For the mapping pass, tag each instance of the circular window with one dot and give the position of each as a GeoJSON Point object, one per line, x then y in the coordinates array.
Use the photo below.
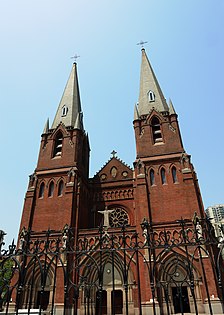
{"type": "Point", "coordinates": [118, 217]}
{"type": "Point", "coordinates": [103, 176]}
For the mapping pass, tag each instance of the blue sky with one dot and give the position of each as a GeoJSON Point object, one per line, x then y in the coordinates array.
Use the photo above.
{"type": "Point", "coordinates": [185, 46]}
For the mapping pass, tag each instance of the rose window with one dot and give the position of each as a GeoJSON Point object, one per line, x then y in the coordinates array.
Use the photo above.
{"type": "Point", "coordinates": [118, 217]}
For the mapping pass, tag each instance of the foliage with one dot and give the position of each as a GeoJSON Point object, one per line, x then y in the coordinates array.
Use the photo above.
{"type": "Point", "coordinates": [6, 273]}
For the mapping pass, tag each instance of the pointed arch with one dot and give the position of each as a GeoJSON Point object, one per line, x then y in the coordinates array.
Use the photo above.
{"type": "Point", "coordinates": [58, 143]}
{"type": "Point", "coordinates": [156, 130]}
{"type": "Point", "coordinates": [51, 189]}
{"type": "Point", "coordinates": [60, 187]}
{"type": "Point", "coordinates": [163, 175]}
{"type": "Point", "coordinates": [176, 272]}
{"type": "Point", "coordinates": [109, 268]}
{"type": "Point", "coordinates": [174, 174]}
{"type": "Point", "coordinates": [41, 190]}
{"type": "Point", "coordinates": [39, 280]}
{"type": "Point", "coordinates": [152, 176]}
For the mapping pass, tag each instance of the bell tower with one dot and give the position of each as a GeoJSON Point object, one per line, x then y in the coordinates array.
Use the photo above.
{"type": "Point", "coordinates": [166, 182]}
{"type": "Point", "coordinates": [58, 188]}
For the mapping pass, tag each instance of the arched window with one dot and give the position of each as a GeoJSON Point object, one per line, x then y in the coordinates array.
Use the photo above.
{"type": "Point", "coordinates": [174, 174]}
{"type": "Point", "coordinates": [156, 130]}
{"type": "Point", "coordinates": [152, 177]}
{"type": "Point", "coordinates": [151, 96]}
{"type": "Point", "coordinates": [64, 111]}
{"type": "Point", "coordinates": [60, 188]}
{"type": "Point", "coordinates": [58, 144]}
{"type": "Point", "coordinates": [51, 189]}
{"type": "Point", "coordinates": [41, 190]}
{"type": "Point", "coordinates": [163, 176]}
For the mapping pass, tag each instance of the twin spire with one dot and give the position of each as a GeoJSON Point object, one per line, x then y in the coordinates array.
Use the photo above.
{"type": "Point", "coordinates": [150, 93]}
{"type": "Point", "coordinates": [69, 111]}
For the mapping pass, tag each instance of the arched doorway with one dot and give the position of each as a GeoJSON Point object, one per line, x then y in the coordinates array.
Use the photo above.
{"type": "Point", "coordinates": [42, 296]}
{"type": "Point", "coordinates": [177, 277]}
{"type": "Point", "coordinates": [111, 300]}
{"type": "Point", "coordinates": [37, 293]}
{"type": "Point", "coordinates": [103, 289]}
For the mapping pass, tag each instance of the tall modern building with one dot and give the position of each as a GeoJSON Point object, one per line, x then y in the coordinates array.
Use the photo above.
{"type": "Point", "coordinates": [153, 202]}
{"type": "Point", "coordinates": [215, 213]}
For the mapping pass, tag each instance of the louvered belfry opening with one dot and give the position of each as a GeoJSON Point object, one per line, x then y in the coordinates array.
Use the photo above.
{"type": "Point", "coordinates": [58, 144]}
{"type": "Point", "coordinates": [156, 130]}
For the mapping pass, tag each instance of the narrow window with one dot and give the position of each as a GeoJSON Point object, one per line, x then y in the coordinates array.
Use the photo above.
{"type": "Point", "coordinates": [60, 188]}
{"type": "Point", "coordinates": [51, 190]}
{"type": "Point", "coordinates": [58, 144]}
{"type": "Point", "coordinates": [156, 130]}
{"type": "Point", "coordinates": [174, 174]}
{"type": "Point", "coordinates": [41, 190]}
{"type": "Point", "coordinates": [152, 177]}
{"type": "Point", "coordinates": [151, 96]}
{"type": "Point", "coordinates": [64, 111]}
{"type": "Point", "coordinates": [163, 176]}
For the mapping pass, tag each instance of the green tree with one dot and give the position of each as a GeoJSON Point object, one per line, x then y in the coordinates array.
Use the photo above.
{"type": "Point", "coordinates": [6, 273]}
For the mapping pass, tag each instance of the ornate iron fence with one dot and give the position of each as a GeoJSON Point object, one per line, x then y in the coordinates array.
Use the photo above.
{"type": "Point", "coordinates": [164, 269]}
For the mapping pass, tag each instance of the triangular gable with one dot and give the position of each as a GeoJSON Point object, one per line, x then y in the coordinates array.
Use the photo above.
{"type": "Point", "coordinates": [154, 112]}
{"type": "Point", "coordinates": [114, 170]}
{"type": "Point", "coordinates": [60, 127]}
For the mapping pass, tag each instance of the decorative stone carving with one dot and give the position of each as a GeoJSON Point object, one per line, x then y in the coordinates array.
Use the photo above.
{"type": "Point", "coordinates": [113, 171]}
{"type": "Point", "coordinates": [71, 174]}
{"type": "Point", "coordinates": [142, 132]}
{"type": "Point", "coordinates": [22, 239]}
{"type": "Point", "coordinates": [65, 237]}
{"type": "Point", "coordinates": [185, 162]}
{"type": "Point", "coordinates": [71, 143]}
{"type": "Point", "coordinates": [118, 217]}
{"type": "Point", "coordinates": [33, 180]}
{"type": "Point", "coordinates": [103, 176]}
{"type": "Point", "coordinates": [114, 195]}
{"type": "Point", "coordinates": [140, 166]}
{"type": "Point", "coordinates": [172, 128]}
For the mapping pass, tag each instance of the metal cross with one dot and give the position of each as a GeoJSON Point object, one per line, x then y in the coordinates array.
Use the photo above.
{"type": "Point", "coordinates": [113, 153]}
{"type": "Point", "coordinates": [75, 57]}
{"type": "Point", "coordinates": [106, 214]}
{"type": "Point", "coordinates": [141, 43]}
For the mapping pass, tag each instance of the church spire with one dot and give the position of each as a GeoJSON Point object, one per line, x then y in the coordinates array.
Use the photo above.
{"type": "Point", "coordinates": [150, 94]}
{"type": "Point", "coordinates": [69, 108]}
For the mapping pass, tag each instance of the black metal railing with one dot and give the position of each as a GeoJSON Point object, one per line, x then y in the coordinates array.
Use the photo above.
{"type": "Point", "coordinates": [165, 268]}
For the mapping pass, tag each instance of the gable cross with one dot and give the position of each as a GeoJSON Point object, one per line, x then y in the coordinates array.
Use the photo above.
{"type": "Point", "coordinates": [113, 153]}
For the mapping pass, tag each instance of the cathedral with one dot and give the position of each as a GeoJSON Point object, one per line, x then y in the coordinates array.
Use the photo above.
{"type": "Point", "coordinates": [128, 240]}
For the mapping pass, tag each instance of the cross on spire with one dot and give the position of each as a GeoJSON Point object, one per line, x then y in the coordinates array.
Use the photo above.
{"type": "Point", "coordinates": [75, 57]}
{"type": "Point", "coordinates": [113, 153]}
{"type": "Point", "coordinates": [141, 43]}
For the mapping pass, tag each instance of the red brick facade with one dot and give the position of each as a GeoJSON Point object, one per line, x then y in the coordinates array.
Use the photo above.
{"type": "Point", "coordinates": [162, 187]}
